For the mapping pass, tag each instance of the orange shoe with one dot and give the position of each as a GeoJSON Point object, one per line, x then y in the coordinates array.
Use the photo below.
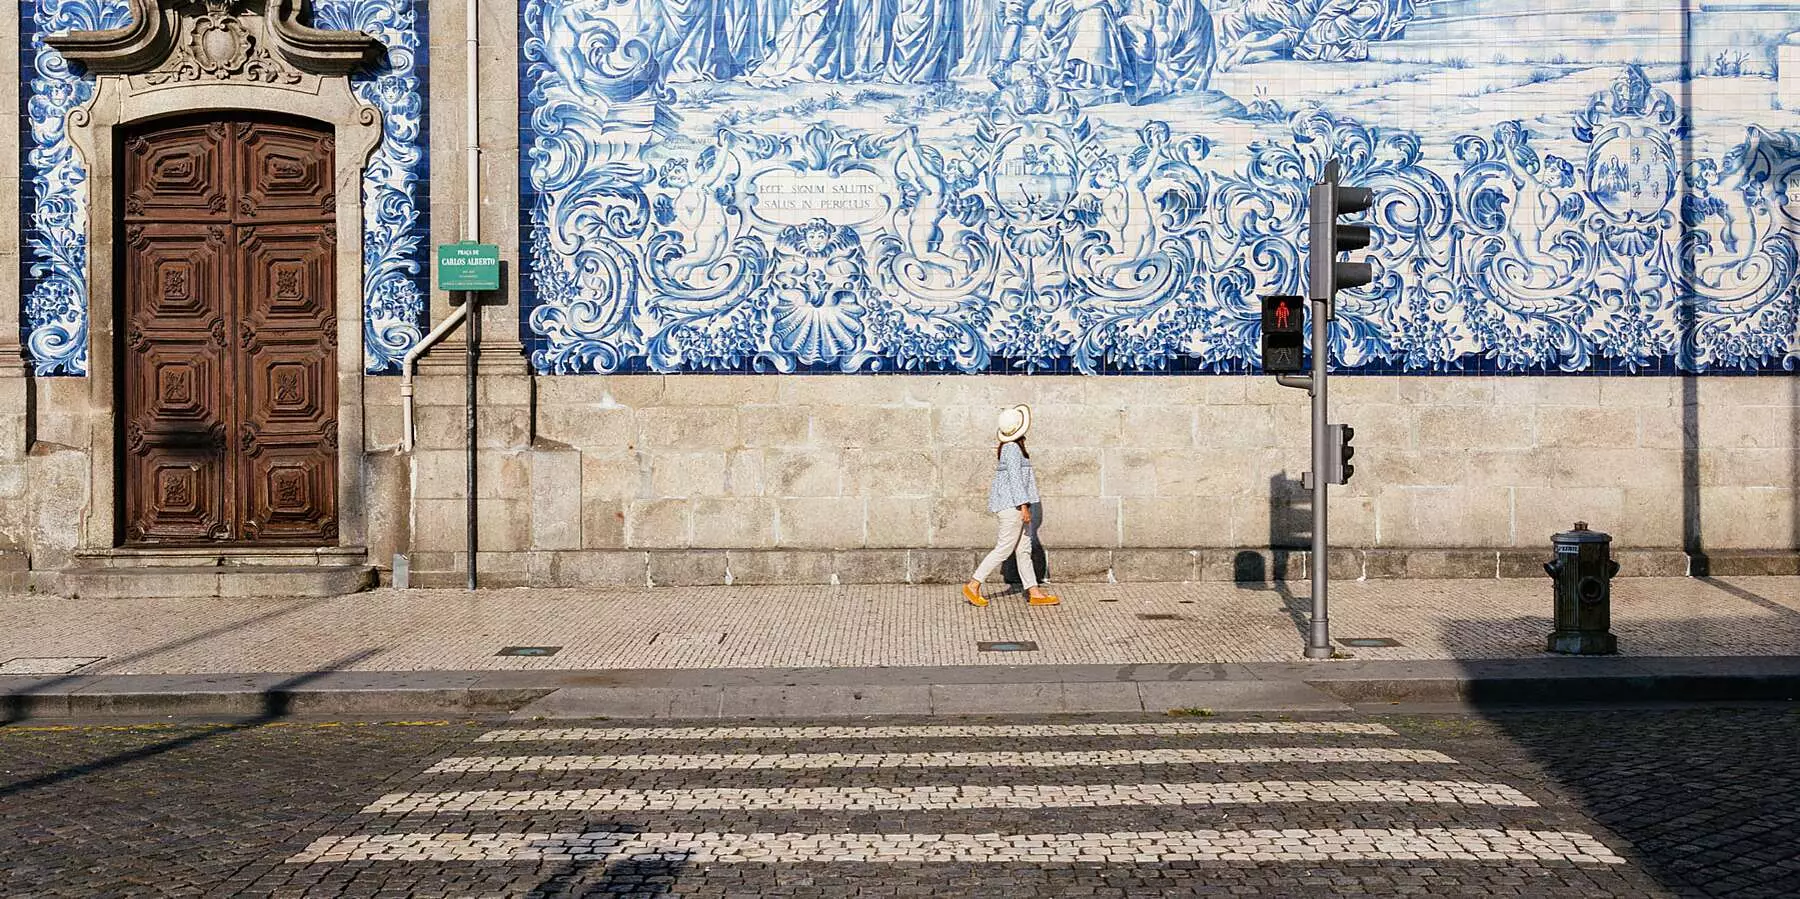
{"type": "Point", "coordinates": [974, 596]}
{"type": "Point", "coordinates": [1044, 600]}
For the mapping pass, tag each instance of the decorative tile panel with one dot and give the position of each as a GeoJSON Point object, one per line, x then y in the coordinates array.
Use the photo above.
{"type": "Point", "coordinates": [396, 221]}
{"type": "Point", "coordinates": [1108, 185]}
{"type": "Point", "coordinates": [395, 224]}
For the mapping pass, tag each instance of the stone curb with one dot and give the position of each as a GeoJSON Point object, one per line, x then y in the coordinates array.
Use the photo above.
{"type": "Point", "coordinates": [971, 690]}
{"type": "Point", "coordinates": [700, 566]}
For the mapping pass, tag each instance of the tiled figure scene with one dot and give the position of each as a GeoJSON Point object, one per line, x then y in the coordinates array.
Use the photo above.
{"type": "Point", "coordinates": [1108, 185]}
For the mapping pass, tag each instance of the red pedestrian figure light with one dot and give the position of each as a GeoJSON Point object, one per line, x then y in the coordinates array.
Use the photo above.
{"type": "Point", "coordinates": [1282, 344]}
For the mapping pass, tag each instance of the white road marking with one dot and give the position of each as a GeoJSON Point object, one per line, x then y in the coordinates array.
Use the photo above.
{"type": "Point", "coordinates": [951, 797]}
{"type": "Point", "coordinates": [1454, 844]}
{"type": "Point", "coordinates": [798, 761]}
{"type": "Point", "coordinates": [1154, 729]}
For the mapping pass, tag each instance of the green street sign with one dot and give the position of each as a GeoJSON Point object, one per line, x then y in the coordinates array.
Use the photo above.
{"type": "Point", "coordinates": [468, 266]}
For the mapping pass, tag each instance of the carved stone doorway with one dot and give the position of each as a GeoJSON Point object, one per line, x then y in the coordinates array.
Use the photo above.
{"type": "Point", "coordinates": [228, 295]}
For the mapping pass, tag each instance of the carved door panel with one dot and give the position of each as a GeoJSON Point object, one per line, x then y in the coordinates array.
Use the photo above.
{"type": "Point", "coordinates": [287, 434]}
{"type": "Point", "coordinates": [175, 361]}
{"type": "Point", "coordinates": [180, 173]}
{"type": "Point", "coordinates": [229, 357]}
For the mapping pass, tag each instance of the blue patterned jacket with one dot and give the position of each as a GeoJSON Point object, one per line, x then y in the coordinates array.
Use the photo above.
{"type": "Point", "coordinates": [1015, 484]}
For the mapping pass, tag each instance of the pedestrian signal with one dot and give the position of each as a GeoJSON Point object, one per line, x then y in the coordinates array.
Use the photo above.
{"type": "Point", "coordinates": [1283, 335]}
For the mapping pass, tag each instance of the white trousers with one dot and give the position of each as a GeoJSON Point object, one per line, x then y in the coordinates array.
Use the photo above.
{"type": "Point", "coordinates": [1012, 540]}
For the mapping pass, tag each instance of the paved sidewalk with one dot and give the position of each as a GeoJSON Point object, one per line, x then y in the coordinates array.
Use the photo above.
{"type": "Point", "coordinates": [412, 646]}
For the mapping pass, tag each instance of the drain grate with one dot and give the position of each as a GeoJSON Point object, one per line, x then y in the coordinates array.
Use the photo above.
{"type": "Point", "coordinates": [529, 651]}
{"type": "Point", "coordinates": [48, 664]}
{"type": "Point", "coordinates": [1161, 616]}
{"type": "Point", "coordinates": [1368, 642]}
{"type": "Point", "coordinates": [1006, 646]}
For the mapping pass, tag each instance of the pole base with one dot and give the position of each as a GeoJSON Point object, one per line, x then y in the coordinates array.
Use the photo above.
{"type": "Point", "coordinates": [1582, 643]}
{"type": "Point", "coordinates": [1320, 652]}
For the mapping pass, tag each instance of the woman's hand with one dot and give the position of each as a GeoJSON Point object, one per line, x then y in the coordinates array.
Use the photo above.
{"type": "Point", "coordinates": [1025, 514]}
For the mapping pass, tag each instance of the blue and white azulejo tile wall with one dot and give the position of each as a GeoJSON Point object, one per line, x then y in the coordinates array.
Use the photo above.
{"type": "Point", "coordinates": [396, 219]}
{"type": "Point", "coordinates": [1595, 186]}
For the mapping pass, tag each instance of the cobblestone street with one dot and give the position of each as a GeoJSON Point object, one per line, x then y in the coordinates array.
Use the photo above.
{"type": "Point", "coordinates": [1642, 802]}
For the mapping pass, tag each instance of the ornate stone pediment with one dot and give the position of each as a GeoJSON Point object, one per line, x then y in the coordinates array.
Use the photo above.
{"type": "Point", "coordinates": [254, 41]}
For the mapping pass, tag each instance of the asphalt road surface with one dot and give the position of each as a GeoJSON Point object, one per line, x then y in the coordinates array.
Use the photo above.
{"type": "Point", "coordinates": [1688, 801]}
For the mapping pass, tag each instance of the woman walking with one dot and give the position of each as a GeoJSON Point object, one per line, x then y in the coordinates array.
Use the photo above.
{"type": "Point", "coordinates": [1014, 490]}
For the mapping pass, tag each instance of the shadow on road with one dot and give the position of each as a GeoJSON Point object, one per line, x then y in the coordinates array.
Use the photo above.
{"type": "Point", "coordinates": [13, 706]}
{"type": "Point", "coordinates": [634, 877]}
{"type": "Point", "coordinates": [276, 702]}
{"type": "Point", "coordinates": [1702, 797]}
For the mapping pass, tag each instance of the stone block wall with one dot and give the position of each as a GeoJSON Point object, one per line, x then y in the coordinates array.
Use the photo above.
{"type": "Point", "coordinates": [715, 479]}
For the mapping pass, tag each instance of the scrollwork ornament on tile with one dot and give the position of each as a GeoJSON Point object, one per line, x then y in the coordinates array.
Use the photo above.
{"type": "Point", "coordinates": [394, 275]}
{"type": "Point", "coordinates": [756, 212]}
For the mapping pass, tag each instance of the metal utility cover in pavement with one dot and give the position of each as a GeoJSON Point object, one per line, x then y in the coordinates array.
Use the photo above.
{"type": "Point", "coordinates": [1161, 616]}
{"type": "Point", "coordinates": [47, 665]}
{"type": "Point", "coordinates": [688, 638]}
{"type": "Point", "coordinates": [1368, 642]}
{"type": "Point", "coordinates": [529, 651]}
{"type": "Point", "coordinates": [1006, 646]}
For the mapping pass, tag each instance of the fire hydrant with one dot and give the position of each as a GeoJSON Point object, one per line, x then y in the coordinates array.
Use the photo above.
{"type": "Point", "coordinates": [1583, 571]}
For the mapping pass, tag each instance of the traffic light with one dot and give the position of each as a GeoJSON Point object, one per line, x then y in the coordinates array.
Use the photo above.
{"type": "Point", "coordinates": [1283, 334]}
{"type": "Point", "coordinates": [1341, 451]}
{"type": "Point", "coordinates": [1328, 275]}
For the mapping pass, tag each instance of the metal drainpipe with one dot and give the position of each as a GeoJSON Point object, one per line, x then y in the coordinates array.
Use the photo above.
{"type": "Point", "coordinates": [472, 230]}
{"type": "Point", "coordinates": [458, 314]}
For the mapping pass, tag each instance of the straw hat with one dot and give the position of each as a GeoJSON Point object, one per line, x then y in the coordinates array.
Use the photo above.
{"type": "Point", "coordinates": [1014, 422]}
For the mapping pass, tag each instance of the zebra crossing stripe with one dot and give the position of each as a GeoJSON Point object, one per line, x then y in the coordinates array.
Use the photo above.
{"type": "Point", "coordinates": [1450, 844]}
{"type": "Point", "coordinates": [1155, 729]}
{"type": "Point", "coordinates": [807, 761]}
{"type": "Point", "coordinates": [1454, 792]}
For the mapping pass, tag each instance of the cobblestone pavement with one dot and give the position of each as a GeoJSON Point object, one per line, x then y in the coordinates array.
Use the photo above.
{"type": "Point", "coordinates": [1642, 802]}
{"type": "Point", "coordinates": [870, 626]}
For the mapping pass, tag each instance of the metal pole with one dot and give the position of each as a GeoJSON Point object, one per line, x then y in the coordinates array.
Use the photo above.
{"type": "Point", "coordinates": [471, 299]}
{"type": "Point", "coordinates": [1318, 640]}
{"type": "Point", "coordinates": [472, 233]}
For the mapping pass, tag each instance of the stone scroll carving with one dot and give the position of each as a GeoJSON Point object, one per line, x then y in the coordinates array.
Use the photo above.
{"type": "Point", "coordinates": [193, 40]}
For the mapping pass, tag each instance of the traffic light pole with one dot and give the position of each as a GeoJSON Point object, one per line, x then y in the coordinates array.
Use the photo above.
{"type": "Point", "coordinates": [1318, 637]}
{"type": "Point", "coordinates": [1281, 347]}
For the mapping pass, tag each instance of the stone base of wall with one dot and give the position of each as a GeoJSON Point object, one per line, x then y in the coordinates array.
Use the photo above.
{"type": "Point", "coordinates": [187, 583]}
{"type": "Point", "coordinates": [714, 567]}
{"type": "Point", "coordinates": [15, 574]}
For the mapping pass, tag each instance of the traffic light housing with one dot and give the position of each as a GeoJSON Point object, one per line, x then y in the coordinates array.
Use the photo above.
{"type": "Point", "coordinates": [1283, 335]}
{"type": "Point", "coordinates": [1341, 451]}
{"type": "Point", "coordinates": [1326, 273]}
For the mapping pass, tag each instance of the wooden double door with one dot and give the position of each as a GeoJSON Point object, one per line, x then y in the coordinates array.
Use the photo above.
{"type": "Point", "coordinates": [228, 333]}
